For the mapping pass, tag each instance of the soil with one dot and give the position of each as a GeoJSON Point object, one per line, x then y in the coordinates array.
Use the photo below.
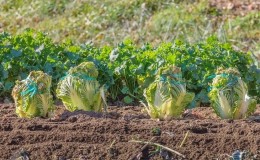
{"type": "Point", "coordinates": [88, 135]}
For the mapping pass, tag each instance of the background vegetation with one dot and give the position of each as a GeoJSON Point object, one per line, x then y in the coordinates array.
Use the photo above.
{"type": "Point", "coordinates": [110, 21]}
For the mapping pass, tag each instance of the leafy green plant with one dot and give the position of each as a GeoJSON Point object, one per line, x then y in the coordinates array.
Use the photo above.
{"type": "Point", "coordinates": [229, 95]}
{"type": "Point", "coordinates": [126, 69]}
{"type": "Point", "coordinates": [167, 96]}
{"type": "Point", "coordinates": [156, 131]}
{"type": "Point", "coordinates": [32, 96]}
{"type": "Point", "coordinates": [24, 53]}
{"type": "Point", "coordinates": [80, 90]}
{"type": "Point", "coordinates": [126, 64]}
{"type": "Point", "coordinates": [198, 61]}
{"type": "Point", "coordinates": [34, 50]}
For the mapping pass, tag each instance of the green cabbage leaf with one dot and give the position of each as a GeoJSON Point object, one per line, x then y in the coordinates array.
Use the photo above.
{"type": "Point", "coordinates": [229, 95]}
{"type": "Point", "coordinates": [167, 96]}
{"type": "Point", "coordinates": [32, 96]}
{"type": "Point", "coordinates": [80, 90]}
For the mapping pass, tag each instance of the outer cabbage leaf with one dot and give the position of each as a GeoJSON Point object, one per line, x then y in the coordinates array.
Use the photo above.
{"type": "Point", "coordinates": [32, 96]}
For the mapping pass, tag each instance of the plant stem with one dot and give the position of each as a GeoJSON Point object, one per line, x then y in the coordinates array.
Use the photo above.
{"type": "Point", "coordinates": [184, 139]}
{"type": "Point", "coordinates": [157, 144]}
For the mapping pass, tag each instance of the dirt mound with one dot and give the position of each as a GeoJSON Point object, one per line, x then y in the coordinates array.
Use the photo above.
{"type": "Point", "coordinates": [88, 135]}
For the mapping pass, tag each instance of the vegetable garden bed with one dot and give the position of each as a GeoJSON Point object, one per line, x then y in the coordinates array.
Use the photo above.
{"type": "Point", "coordinates": [183, 73]}
{"type": "Point", "coordinates": [89, 135]}
{"type": "Point", "coordinates": [166, 79]}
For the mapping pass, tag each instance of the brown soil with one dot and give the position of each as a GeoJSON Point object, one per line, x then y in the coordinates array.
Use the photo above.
{"type": "Point", "coordinates": [89, 135]}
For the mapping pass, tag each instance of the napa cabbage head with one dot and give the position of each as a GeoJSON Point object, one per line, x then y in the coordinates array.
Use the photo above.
{"type": "Point", "coordinates": [80, 90]}
{"type": "Point", "coordinates": [167, 96]}
{"type": "Point", "coordinates": [229, 95]}
{"type": "Point", "coordinates": [32, 96]}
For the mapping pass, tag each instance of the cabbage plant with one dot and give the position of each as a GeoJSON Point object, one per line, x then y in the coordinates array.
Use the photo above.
{"type": "Point", "coordinates": [32, 96]}
{"type": "Point", "coordinates": [229, 95]}
{"type": "Point", "coordinates": [167, 96]}
{"type": "Point", "coordinates": [80, 90]}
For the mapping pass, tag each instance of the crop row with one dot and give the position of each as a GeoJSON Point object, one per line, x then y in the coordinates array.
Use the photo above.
{"type": "Point", "coordinates": [125, 69]}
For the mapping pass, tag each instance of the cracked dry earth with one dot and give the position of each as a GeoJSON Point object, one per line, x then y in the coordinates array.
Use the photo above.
{"type": "Point", "coordinates": [88, 135]}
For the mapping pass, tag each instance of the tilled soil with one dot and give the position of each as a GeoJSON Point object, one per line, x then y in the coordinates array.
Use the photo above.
{"type": "Point", "coordinates": [88, 135]}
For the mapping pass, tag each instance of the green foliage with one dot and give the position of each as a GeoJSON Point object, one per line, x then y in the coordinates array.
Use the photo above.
{"type": "Point", "coordinates": [167, 96]}
{"type": "Point", "coordinates": [229, 95]}
{"type": "Point", "coordinates": [156, 131]}
{"type": "Point", "coordinates": [32, 96]}
{"type": "Point", "coordinates": [124, 70]}
{"type": "Point", "coordinates": [22, 54]}
{"type": "Point", "coordinates": [80, 90]}
{"type": "Point", "coordinates": [33, 50]}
